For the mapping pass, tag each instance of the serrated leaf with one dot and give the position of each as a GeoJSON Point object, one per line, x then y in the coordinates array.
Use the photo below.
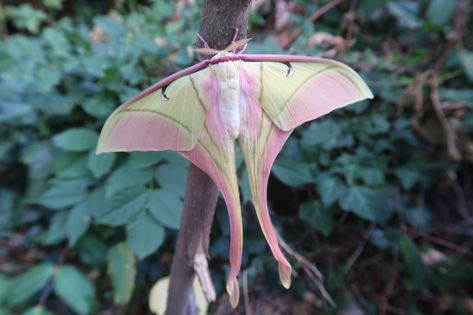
{"type": "Point", "coordinates": [140, 160]}
{"type": "Point", "coordinates": [78, 221]}
{"type": "Point", "coordinates": [74, 289]}
{"type": "Point", "coordinates": [122, 206]}
{"type": "Point", "coordinates": [172, 177]}
{"type": "Point", "coordinates": [122, 270]}
{"type": "Point", "coordinates": [27, 284]}
{"type": "Point", "coordinates": [144, 234]}
{"type": "Point", "coordinates": [126, 177]}
{"type": "Point", "coordinates": [76, 139]}
{"type": "Point", "coordinates": [165, 207]}
{"type": "Point", "coordinates": [59, 197]}
{"type": "Point", "coordinates": [100, 164]}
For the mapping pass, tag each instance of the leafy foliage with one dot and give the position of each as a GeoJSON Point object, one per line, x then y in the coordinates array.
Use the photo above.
{"type": "Point", "coordinates": [377, 194]}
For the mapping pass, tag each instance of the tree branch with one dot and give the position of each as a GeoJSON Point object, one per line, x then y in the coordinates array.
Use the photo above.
{"type": "Point", "coordinates": [219, 21]}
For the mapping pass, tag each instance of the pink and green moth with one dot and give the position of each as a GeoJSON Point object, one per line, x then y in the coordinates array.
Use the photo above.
{"type": "Point", "coordinates": [256, 99]}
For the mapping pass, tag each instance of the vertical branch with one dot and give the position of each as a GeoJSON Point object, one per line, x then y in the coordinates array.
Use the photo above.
{"type": "Point", "coordinates": [219, 21]}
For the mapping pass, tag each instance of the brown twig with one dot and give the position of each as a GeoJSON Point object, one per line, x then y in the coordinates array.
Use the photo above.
{"type": "Point", "coordinates": [383, 304]}
{"type": "Point", "coordinates": [310, 269]}
{"type": "Point", "coordinates": [219, 21]}
{"type": "Point", "coordinates": [359, 249]}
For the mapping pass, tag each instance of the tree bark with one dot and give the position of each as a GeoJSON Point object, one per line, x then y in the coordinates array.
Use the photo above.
{"type": "Point", "coordinates": [219, 22]}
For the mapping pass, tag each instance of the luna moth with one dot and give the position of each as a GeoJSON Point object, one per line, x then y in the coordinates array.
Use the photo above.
{"type": "Point", "coordinates": [256, 99]}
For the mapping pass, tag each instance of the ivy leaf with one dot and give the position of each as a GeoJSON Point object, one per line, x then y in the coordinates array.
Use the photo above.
{"type": "Point", "coordinates": [294, 175]}
{"type": "Point", "coordinates": [144, 234]}
{"type": "Point", "coordinates": [74, 289]}
{"type": "Point", "coordinates": [318, 216]}
{"type": "Point", "coordinates": [122, 270]}
{"type": "Point", "coordinates": [330, 189]}
{"type": "Point", "coordinates": [358, 201]}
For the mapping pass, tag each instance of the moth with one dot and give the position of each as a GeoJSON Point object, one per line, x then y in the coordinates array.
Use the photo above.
{"type": "Point", "coordinates": [256, 99]}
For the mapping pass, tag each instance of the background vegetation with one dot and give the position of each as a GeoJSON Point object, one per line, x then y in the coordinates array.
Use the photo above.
{"type": "Point", "coordinates": [378, 196]}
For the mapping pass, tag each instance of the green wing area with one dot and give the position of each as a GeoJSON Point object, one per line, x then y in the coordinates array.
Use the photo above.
{"type": "Point", "coordinates": [292, 93]}
{"type": "Point", "coordinates": [154, 123]}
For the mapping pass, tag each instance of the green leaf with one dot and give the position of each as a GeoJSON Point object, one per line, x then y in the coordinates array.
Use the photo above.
{"type": "Point", "coordinates": [144, 234]}
{"type": "Point", "coordinates": [172, 177]}
{"type": "Point", "coordinates": [330, 188]}
{"type": "Point", "coordinates": [74, 289]}
{"type": "Point", "coordinates": [406, 13]}
{"type": "Point", "coordinates": [122, 270]}
{"type": "Point", "coordinates": [4, 288]}
{"type": "Point", "coordinates": [318, 216]}
{"type": "Point", "coordinates": [26, 17]}
{"type": "Point", "coordinates": [360, 201]}
{"type": "Point", "coordinates": [370, 204]}
{"type": "Point", "coordinates": [70, 165]}
{"type": "Point", "coordinates": [418, 217]}
{"type": "Point", "coordinates": [126, 177]}
{"type": "Point", "coordinates": [140, 160]}
{"type": "Point", "coordinates": [324, 134]}
{"type": "Point", "coordinates": [440, 11]}
{"type": "Point", "coordinates": [91, 250]}
{"type": "Point", "coordinates": [59, 197]}
{"type": "Point", "coordinates": [78, 221]}
{"type": "Point", "coordinates": [100, 164]}
{"type": "Point", "coordinates": [122, 206]}
{"type": "Point", "coordinates": [76, 139]}
{"type": "Point", "coordinates": [408, 177]}
{"type": "Point", "coordinates": [372, 176]}
{"type": "Point", "coordinates": [37, 310]}
{"type": "Point", "coordinates": [56, 230]}
{"type": "Point", "coordinates": [165, 207]}
{"type": "Point", "coordinates": [27, 284]}
{"type": "Point", "coordinates": [413, 263]}
{"type": "Point", "coordinates": [466, 59]}
{"type": "Point", "coordinates": [293, 175]}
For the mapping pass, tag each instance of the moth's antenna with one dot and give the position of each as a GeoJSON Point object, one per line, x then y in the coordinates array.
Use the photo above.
{"type": "Point", "coordinates": [206, 45]}
{"type": "Point", "coordinates": [235, 35]}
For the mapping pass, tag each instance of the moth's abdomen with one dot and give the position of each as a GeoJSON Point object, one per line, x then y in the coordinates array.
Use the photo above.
{"type": "Point", "coordinates": [228, 80]}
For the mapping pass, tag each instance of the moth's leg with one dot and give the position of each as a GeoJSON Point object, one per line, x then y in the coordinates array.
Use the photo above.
{"type": "Point", "coordinates": [235, 35]}
{"type": "Point", "coordinates": [242, 50]}
{"type": "Point", "coordinates": [206, 45]}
